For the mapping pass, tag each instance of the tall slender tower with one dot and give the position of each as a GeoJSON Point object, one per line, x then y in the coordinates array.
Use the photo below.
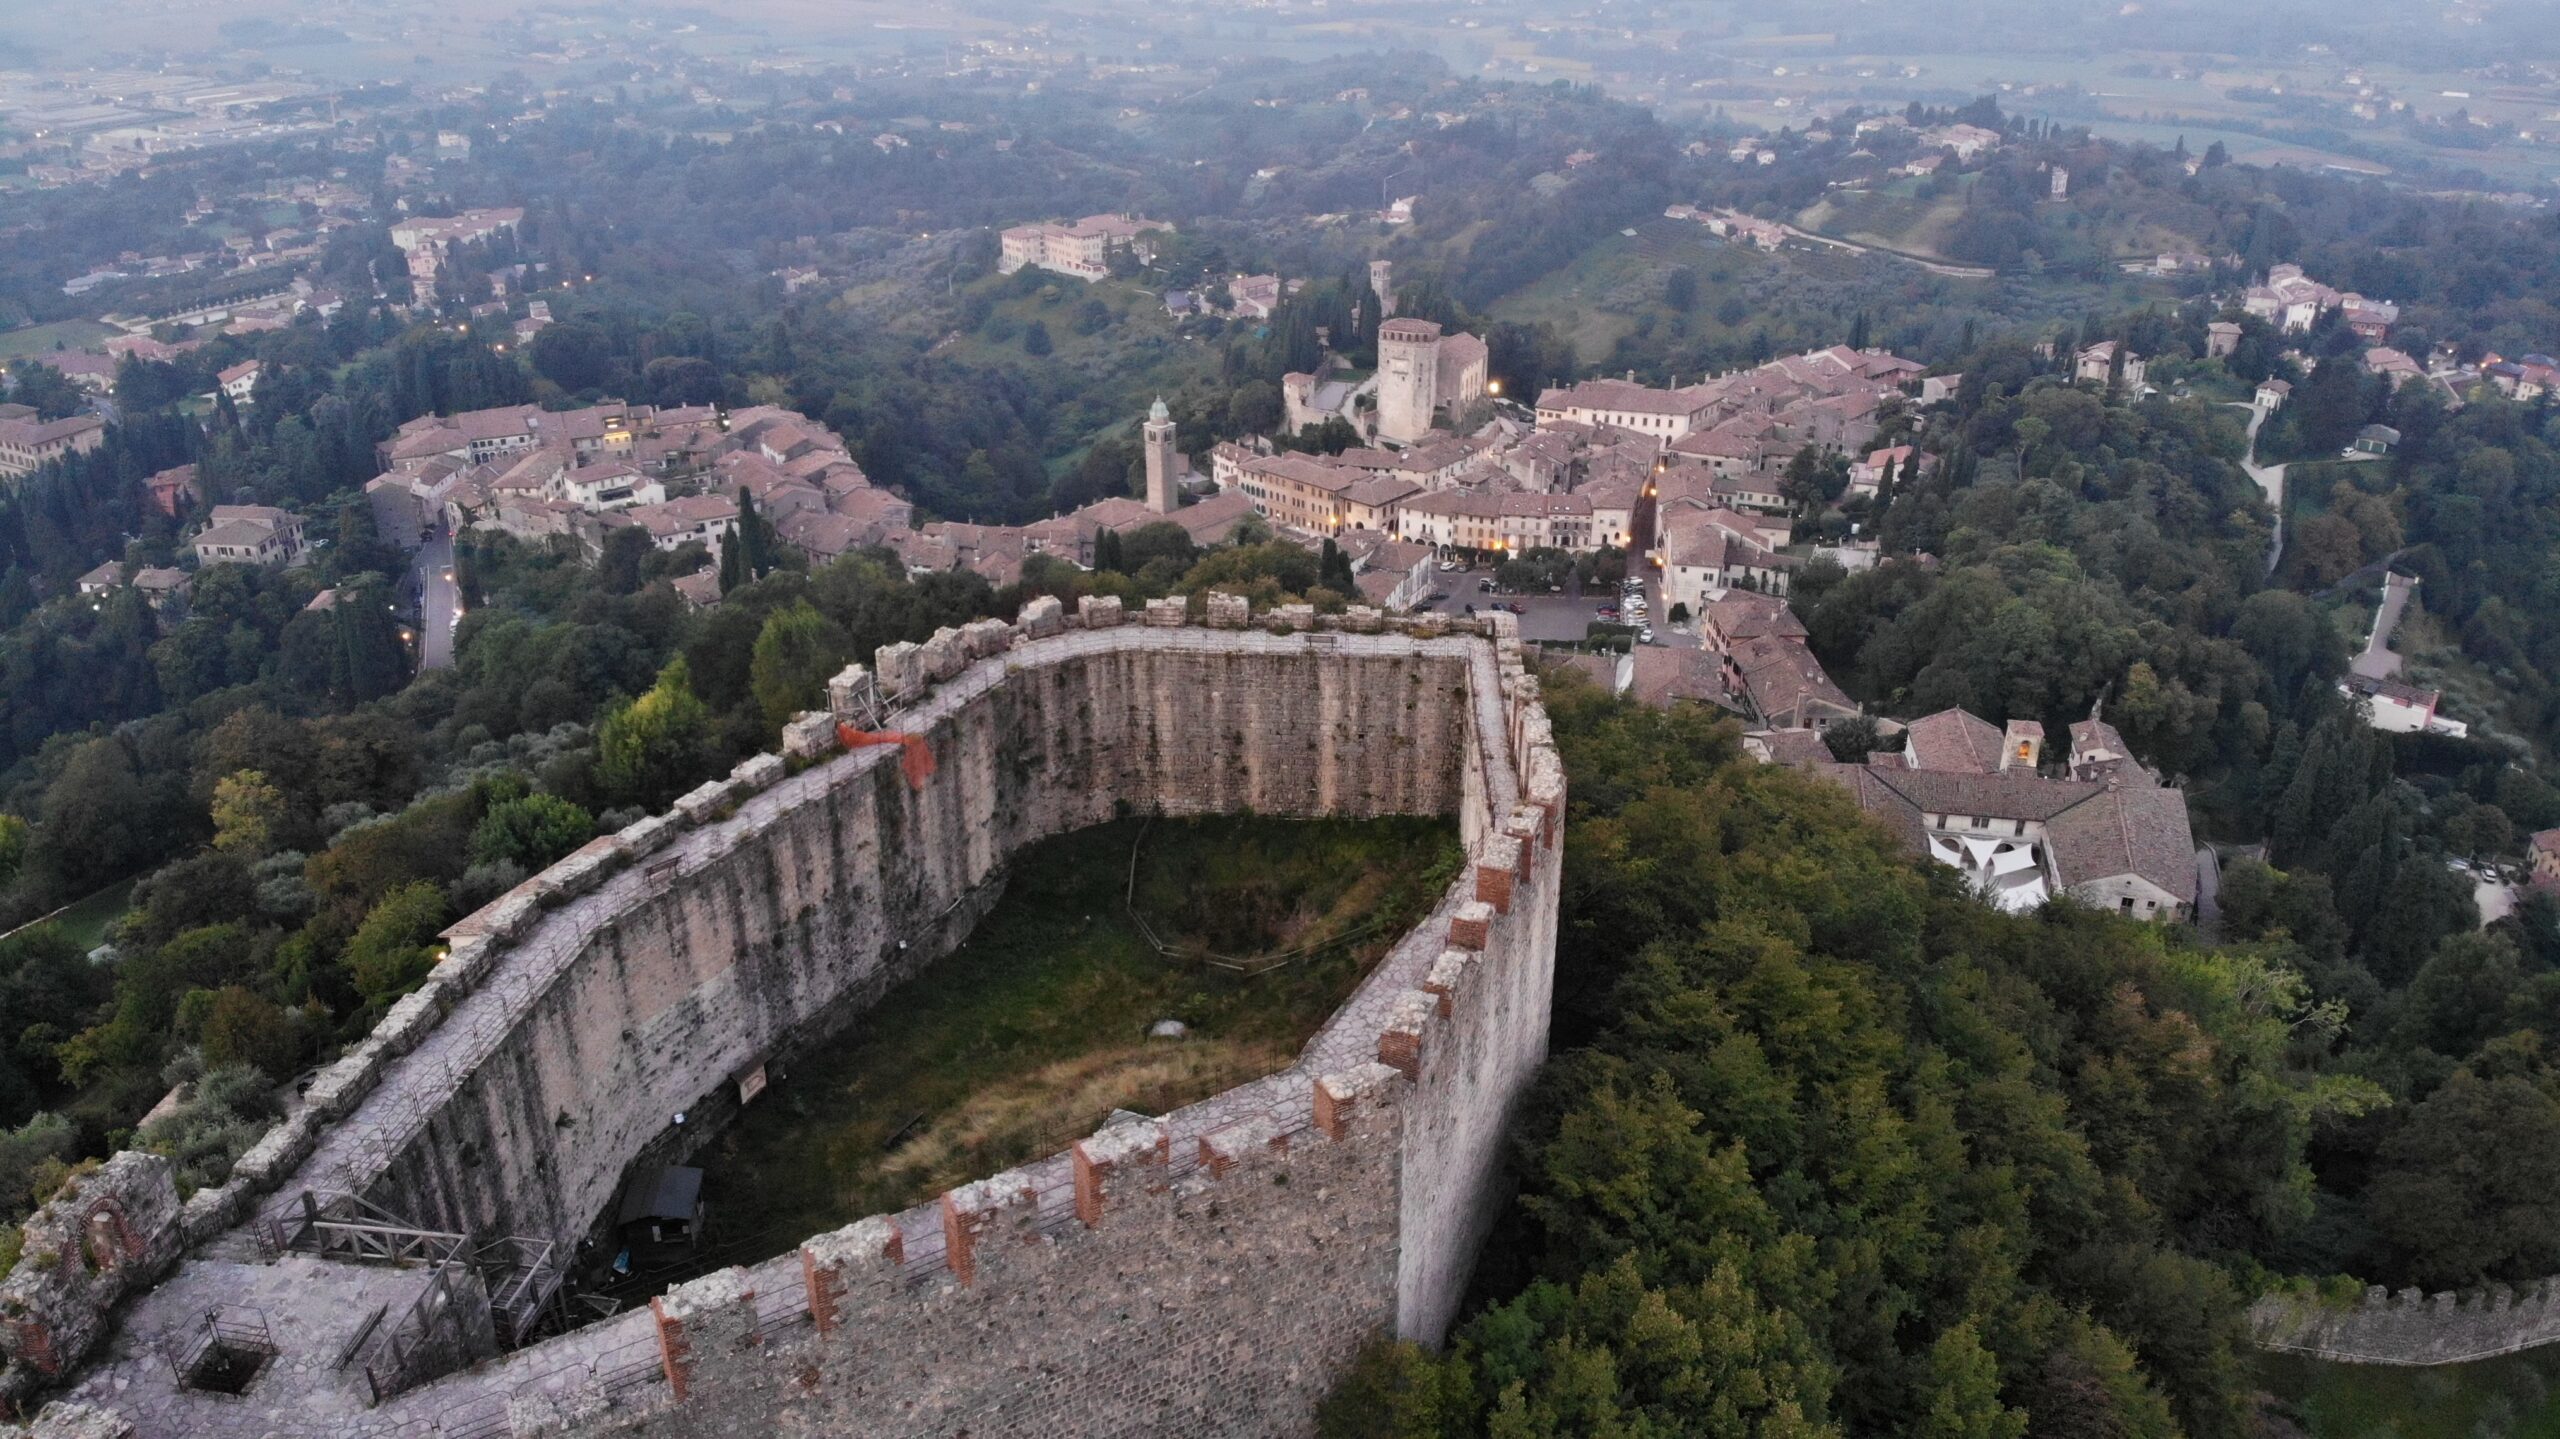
{"type": "Point", "coordinates": [1161, 494]}
{"type": "Point", "coordinates": [1382, 283]}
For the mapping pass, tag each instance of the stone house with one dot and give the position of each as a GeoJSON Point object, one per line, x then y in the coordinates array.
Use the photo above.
{"type": "Point", "coordinates": [250, 535]}
{"type": "Point", "coordinates": [1974, 797]}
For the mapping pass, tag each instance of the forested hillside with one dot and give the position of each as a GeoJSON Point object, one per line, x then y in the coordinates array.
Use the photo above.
{"type": "Point", "coordinates": [1828, 1147]}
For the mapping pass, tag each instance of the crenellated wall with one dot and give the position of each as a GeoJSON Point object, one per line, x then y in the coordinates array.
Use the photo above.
{"type": "Point", "coordinates": [2411, 1327]}
{"type": "Point", "coordinates": [1205, 1272]}
{"type": "Point", "coordinates": [822, 891]}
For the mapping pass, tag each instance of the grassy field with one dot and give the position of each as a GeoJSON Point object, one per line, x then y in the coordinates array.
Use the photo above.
{"type": "Point", "coordinates": [39, 340]}
{"type": "Point", "coordinates": [1029, 1035]}
{"type": "Point", "coordinates": [1596, 299]}
{"type": "Point", "coordinates": [84, 922]}
{"type": "Point", "coordinates": [2517, 1397]}
{"type": "Point", "coordinates": [1891, 216]}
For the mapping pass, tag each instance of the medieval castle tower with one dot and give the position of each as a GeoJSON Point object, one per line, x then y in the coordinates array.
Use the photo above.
{"type": "Point", "coordinates": [1408, 379]}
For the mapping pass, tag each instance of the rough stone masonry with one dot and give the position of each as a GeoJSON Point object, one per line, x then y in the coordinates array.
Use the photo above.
{"type": "Point", "coordinates": [1206, 1272]}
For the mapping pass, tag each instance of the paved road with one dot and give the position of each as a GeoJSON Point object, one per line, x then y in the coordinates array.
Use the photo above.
{"type": "Point", "coordinates": [1934, 267]}
{"type": "Point", "coordinates": [2377, 661]}
{"type": "Point", "coordinates": [2270, 478]}
{"type": "Point", "coordinates": [439, 603]}
{"type": "Point", "coordinates": [2208, 891]}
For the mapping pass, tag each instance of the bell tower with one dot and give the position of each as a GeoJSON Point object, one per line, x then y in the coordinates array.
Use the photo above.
{"type": "Point", "coordinates": [1162, 497]}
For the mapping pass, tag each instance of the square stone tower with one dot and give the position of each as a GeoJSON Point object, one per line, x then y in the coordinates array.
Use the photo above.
{"type": "Point", "coordinates": [1382, 283]}
{"type": "Point", "coordinates": [1408, 378]}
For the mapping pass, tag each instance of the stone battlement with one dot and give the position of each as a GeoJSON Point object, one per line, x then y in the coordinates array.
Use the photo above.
{"type": "Point", "coordinates": [1226, 1256]}
{"type": "Point", "coordinates": [2411, 1327]}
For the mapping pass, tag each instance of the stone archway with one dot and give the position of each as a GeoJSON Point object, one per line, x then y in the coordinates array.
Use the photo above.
{"type": "Point", "coordinates": [106, 1237]}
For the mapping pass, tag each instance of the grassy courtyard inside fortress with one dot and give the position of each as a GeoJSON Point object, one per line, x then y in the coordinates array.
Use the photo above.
{"type": "Point", "coordinates": [1036, 1029]}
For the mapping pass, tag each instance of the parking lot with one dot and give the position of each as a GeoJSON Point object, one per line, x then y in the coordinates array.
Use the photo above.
{"type": "Point", "coordinates": [1561, 619]}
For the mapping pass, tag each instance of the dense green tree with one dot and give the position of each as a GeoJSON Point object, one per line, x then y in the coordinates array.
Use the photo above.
{"type": "Point", "coordinates": [52, 394]}
{"type": "Point", "coordinates": [646, 750]}
{"type": "Point", "coordinates": [530, 831]}
{"type": "Point", "coordinates": [795, 654]}
{"type": "Point", "coordinates": [396, 945]}
{"type": "Point", "coordinates": [98, 819]}
{"type": "Point", "coordinates": [244, 1027]}
{"type": "Point", "coordinates": [573, 354]}
{"type": "Point", "coordinates": [2469, 1184]}
{"type": "Point", "coordinates": [13, 846]}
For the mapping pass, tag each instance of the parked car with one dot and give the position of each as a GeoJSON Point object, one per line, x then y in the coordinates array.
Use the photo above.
{"type": "Point", "coordinates": [1516, 608]}
{"type": "Point", "coordinates": [1484, 586]}
{"type": "Point", "coordinates": [1644, 636]}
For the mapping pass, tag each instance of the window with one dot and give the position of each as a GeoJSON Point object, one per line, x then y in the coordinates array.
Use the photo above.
{"type": "Point", "coordinates": [2126, 903]}
{"type": "Point", "coordinates": [2022, 826]}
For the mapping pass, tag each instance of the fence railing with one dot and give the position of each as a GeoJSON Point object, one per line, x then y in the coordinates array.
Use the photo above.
{"type": "Point", "coordinates": [231, 1338]}
{"type": "Point", "coordinates": [523, 1275]}
{"type": "Point", "coordinates": [429, 1339]}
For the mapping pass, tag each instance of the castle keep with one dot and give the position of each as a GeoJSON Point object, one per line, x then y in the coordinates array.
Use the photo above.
{"type": "Point", "coordinates": [1209, 1271]}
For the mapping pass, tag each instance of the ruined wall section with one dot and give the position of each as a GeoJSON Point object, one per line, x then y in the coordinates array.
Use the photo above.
{"type": "Point", "coordinates": [105, 1233]}
{"type": "Point", "coordinates": [831, 886]}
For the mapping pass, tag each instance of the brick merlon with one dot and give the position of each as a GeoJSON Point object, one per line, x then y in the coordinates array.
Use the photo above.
{"type": "Point", "coordinates": [1223, 1149]}
{"type": "Point", "coordinates": [1546, 777]}
{"type": "Point", "coordinates": [1526, 824]}
{"type": "Point", "coordinates": [865, 1241]}
{"type": "Point", "coordinates": [1123, 1143]}
{"type": "Point", "coordinates": [1337, 1095]}
{"type": "Point", "coordinates": [1400, 1039]}
{"type": "Point", "coordinates": [1472, 926]}
{"type": "Point", "coordinates": [720, 1289]}
{"type": "Point", "coordinates": [1448, 975]}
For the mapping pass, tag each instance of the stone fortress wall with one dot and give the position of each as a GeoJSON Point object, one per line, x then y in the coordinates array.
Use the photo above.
{"type": "Point", "coordinates": [2411, 1327]}
{"type": "Point", "coordinates": [1207, 1271]}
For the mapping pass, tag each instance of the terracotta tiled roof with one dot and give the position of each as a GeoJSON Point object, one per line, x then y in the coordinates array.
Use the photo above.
{"type": "Point", "coordinates": [1952, 740]}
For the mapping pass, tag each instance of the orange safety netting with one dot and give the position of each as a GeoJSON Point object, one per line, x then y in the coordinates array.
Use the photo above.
{"type": "Point", "coordinates": [916, 758]}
